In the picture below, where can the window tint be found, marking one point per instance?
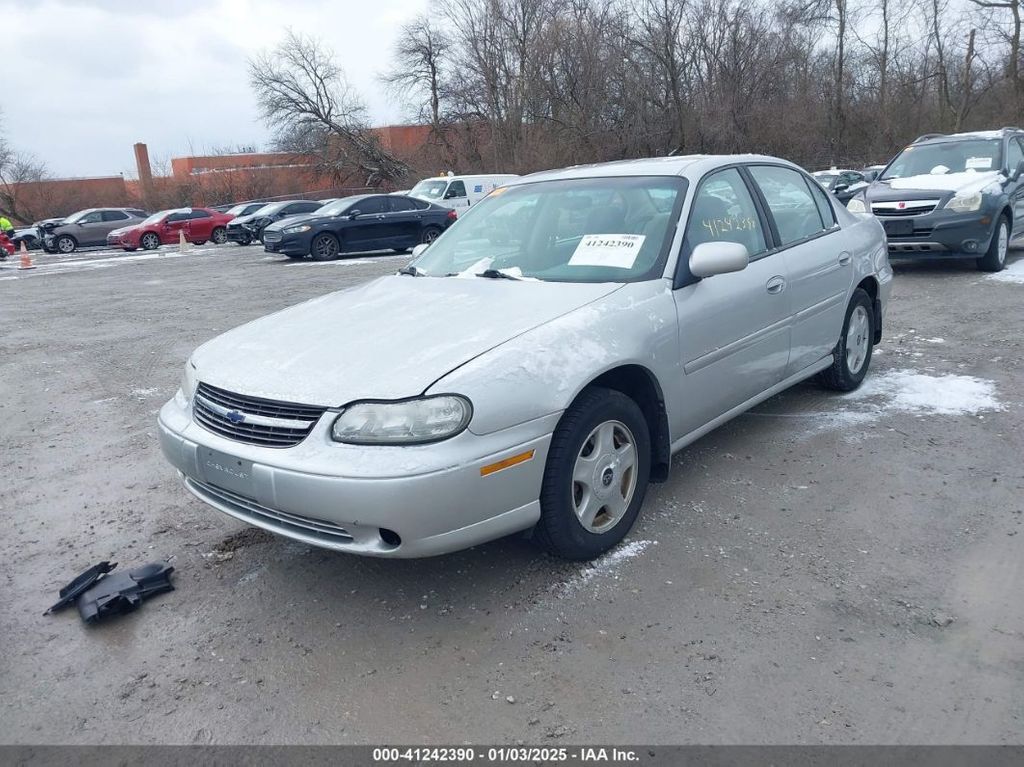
(196, 213)
(300, 207)
(177, 217)
(371, 205)
(828, 216)
(1014, 154)
(91, 218)
(114, 215)
(790, 202)
(723, 211)
(403, 205)
(455, 189)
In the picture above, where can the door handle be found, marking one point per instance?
(845, 257)
(776, 284)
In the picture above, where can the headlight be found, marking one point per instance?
(189, 381)
(402, 422)
(297, 229)
(856, 205)
(965, 203)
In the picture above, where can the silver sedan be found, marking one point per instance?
(537, 366)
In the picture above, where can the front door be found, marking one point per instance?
(172, 227)
(820, 265)
(733, 328)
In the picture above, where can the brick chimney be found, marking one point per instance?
(145, 173)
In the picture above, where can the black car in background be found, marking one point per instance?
(246, 228)
(844, 184)
(360, 223)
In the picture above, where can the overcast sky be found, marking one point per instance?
(85, 79)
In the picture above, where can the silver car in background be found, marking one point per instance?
(536, 366)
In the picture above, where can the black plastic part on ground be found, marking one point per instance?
(124, 591)
(70, 593)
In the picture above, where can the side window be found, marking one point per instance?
(455, 189)
(139, 213)
(828, 215)
(724, 211)
(789, 200)
(402, 205)
(176, 217)
(371, 206)
(196, 213)
(1014, 155)
(306, 207)
(114, 215)
(91, 218)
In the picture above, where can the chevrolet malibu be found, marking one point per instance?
(536, 366)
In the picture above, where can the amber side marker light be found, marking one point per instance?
(515, 460)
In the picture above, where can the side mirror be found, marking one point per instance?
(711, 258)
(418, 249)
(840, 188)
(1018, 171)
(354, 214)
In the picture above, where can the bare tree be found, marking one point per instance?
(300, 89)
(16, 170)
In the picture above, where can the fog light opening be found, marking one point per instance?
(390, 537)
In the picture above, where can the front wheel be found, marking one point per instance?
(994, 259)
(245, 239)
(596, 475)
(851, 357)
(324, 247)
(66, 244)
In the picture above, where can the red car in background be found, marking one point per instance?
(165, 227)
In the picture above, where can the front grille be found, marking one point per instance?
(918, 208)
(279, 520)
(271, 236)
(253, 420)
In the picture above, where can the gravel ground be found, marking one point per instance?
(821, 570)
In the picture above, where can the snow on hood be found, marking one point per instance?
(966, 182)
(387, 339)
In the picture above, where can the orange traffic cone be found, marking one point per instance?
(182, 242)
(26, 259)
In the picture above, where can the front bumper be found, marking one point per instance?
(240, 234)
(288, 244)
(940, 234)
(341, 497)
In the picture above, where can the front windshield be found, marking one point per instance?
(337, 207)
(576, 230)
(268, 210)
(825, 179)
(978, 155)
(239, 210)
(74, 217)
(431, 189)
(156, 218)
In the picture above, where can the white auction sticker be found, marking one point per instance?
(978, 163)
(615, 250)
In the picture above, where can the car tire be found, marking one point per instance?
(429, 234)
(324, 247)
(65, 245)
(586, 511)
(994, 259)
(149, 241)
(219, 235)
(245, 239)
(851, 356)
(199, 242)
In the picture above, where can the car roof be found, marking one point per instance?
(691, 166)
(941, 138)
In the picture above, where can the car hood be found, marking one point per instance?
(301, 218)
(387, 339)
(243, 219)
(967, 182)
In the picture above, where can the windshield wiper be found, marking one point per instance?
(412, 271)
(497, 274)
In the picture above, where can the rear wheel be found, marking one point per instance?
(150, 241)
(430, 234)
(324, 247)
(596, 475)
(851, 357)
(994, 259)
(219, 235)
(199, 242)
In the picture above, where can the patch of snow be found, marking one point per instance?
(606, 564)
(143, 393)
(911, 392)
(934, 340)
(1013, 273)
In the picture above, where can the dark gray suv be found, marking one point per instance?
(86, 228)
(952, 196)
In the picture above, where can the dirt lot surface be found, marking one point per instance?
(822, 570)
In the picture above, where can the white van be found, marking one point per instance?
(459, 191)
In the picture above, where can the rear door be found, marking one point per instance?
(112, 219)
(733, 328)
(820, 267)
(406, 221)
(200, 225)
(370, 229)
